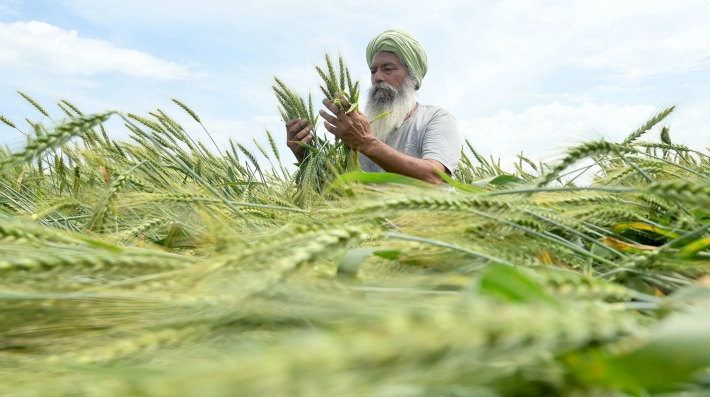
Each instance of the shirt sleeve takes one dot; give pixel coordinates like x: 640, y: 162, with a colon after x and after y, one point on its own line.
x: 442, y: 141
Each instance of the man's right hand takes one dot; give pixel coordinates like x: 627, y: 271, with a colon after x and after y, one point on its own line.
x: 298, y: 130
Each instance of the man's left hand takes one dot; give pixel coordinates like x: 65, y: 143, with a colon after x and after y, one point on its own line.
x: 352, y: 128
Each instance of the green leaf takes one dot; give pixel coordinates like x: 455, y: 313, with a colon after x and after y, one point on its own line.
x: 678, y: 348
x: 508, y: 284
x: 381, y: 115
x: 376, y: 177
x: 700, y: 213
x: 499, y: 180
x: 694, y: 247
x: 624, y: 226
x: 230, y: 174
x: 176, y: 231
x: 388, y: 254
x: 307, y: 146
x: 601, y: 251
x: 459, y: 185
x: 352, y: 260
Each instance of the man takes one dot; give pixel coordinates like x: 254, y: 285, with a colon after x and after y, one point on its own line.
x: 413, y: 140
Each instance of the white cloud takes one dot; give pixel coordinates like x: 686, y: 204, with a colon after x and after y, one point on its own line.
x: 544, y: 131
x: 647, y: 56
x: 505, y: 47
x: 481, y: 54
x: 45, y: 47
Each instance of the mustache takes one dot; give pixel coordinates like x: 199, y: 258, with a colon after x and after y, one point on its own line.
x: 382, y: 90
x: 383, y: 86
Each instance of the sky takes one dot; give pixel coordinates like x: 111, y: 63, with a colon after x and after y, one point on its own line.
x: 533, y: 76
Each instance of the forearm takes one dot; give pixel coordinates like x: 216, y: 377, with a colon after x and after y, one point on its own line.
x: 392, y: 160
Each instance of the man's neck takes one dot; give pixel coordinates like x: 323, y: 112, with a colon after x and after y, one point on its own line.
x: 411, y: 112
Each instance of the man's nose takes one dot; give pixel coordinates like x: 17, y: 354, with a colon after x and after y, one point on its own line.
x: 379, y: 76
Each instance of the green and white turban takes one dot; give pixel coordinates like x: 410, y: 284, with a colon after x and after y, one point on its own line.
x: 405, y: 46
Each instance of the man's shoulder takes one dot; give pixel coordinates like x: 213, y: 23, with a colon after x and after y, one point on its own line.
x: 430, y: 111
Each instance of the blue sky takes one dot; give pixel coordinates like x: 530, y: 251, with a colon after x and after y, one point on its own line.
x: 533, y: 76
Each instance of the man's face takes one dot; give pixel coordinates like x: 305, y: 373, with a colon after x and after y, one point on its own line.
x: 393, y: 91
x: 386, y: 67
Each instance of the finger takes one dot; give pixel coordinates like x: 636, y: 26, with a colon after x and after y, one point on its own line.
x: 297, y: 127
x: 331, y: 128
x: 299, y: 124
x: 343, y: 99
x: 304, y: 133
x: 328, y: 117
x: 307, y: 139
x: 331, y: 106
x: 292, y: 122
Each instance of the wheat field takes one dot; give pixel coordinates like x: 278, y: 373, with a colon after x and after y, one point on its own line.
x: 164, y: 266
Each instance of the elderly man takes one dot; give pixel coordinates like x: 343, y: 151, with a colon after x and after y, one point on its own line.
x: 413, y: 140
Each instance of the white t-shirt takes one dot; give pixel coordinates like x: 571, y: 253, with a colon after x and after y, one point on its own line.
x: 430, y: 133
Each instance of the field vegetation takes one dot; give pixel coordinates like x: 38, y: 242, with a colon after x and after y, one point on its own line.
x: 165, y: 266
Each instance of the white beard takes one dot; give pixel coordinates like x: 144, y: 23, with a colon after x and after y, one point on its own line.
x: 399, y: 101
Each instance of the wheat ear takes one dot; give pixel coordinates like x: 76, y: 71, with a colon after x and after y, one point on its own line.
x: 57, y: 138
x: 649, y: 124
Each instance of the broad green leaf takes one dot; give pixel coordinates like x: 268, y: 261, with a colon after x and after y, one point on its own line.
x: 601, y: 251
x: 508, y: 284
x: 459, y: 185
x: 499, y: 180
x: 352, y: 260
x: 176, y: 231
x: 387, y: 254
x: 675, y: 350
x: 376, y: 177
x: 700, y: 213
x: 231, y: 175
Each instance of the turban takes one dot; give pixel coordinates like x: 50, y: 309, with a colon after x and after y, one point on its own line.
x: 405, y: 46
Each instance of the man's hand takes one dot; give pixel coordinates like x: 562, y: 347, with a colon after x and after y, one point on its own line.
x: 352, y: 128
x: 298, y: 130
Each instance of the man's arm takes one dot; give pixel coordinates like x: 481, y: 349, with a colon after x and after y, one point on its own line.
x: 392, y: 160
x: 354, y: 130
